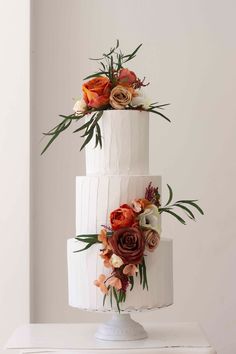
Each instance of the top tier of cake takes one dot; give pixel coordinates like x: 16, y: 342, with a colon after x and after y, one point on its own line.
x: 125, y: 145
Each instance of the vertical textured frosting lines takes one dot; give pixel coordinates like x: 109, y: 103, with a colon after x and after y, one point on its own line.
x: 88, y: 266
x: 125, y: 149
x: 97, y: 196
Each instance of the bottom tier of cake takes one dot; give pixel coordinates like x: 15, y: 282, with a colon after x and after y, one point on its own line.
x: 84, y: 267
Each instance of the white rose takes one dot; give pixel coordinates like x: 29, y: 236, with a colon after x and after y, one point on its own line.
x: 80, y: 106
x: 116, y: 261
x: 149, y: 219
x: 140, y: 100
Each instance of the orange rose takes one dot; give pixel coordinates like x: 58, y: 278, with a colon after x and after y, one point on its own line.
x: 127, y: 77
x: 96, y: 92
x: 122, y: 217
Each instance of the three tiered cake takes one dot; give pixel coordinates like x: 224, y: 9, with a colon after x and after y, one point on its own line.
x: 118, y: 261
x: 116, y: 175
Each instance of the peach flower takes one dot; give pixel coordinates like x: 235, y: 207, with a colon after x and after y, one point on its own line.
x: 96, y: 92
x: 100, y: 283
x: 152, y: 239
x: 139, y: 205
x: 116, y: 282
x: 130, y: 270
x: 102, y: 237
x: 106, y: 256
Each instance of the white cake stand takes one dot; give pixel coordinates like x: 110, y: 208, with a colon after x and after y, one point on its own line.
x: 121, y: 327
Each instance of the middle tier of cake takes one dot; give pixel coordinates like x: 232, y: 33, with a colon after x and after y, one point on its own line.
x: 98, y: 196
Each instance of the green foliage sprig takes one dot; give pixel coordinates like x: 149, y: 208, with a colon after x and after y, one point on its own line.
x: 109, y: 65
x: 184, y: 205
x: 90, y: 240
x: 89, y: 128
x: 111, y: 62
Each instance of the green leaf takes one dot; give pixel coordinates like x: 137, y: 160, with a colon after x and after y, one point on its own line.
x: 104, y: 299
x: 86, y: 247
x: 88, y: 235
x: 140, y: 273
x: 170, y: 195
x: 87, y: 140
x: 117, y: 43
x: 93, y: 75
x: 50, y: 142
x: 159, y: 113
x: 116, y: 298
x: 84, y: 126
x: 87, y: 240
x: 98, y: 136
x: 188, y: 211
x: 56, y: 131
x: 192, y: 202
x: 131, y: 280
x: 145, y: 283
x: 160, y: 106
x: 132, y: 55
x: 110, y: 296
x: 175, y: 215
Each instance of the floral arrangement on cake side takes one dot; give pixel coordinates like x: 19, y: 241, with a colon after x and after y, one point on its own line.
x: 134, y: 232
x: 113, y: 86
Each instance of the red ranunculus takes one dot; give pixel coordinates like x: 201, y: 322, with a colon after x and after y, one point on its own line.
x: 124, y: 216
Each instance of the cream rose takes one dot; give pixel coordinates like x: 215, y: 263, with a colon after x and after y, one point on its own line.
x: 116, y: 261
x: 149, y: 219
x: 80, y: 106
x: 120, y: 97
x: 139, y: 99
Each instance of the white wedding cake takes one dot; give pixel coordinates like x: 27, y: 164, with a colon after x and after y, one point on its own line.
x: 115, y: 175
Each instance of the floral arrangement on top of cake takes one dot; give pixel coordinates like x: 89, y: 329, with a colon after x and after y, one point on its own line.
x: 113, y: 86
x: 134, y: 231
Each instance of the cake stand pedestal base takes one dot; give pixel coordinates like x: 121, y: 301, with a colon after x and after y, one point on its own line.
x: 121, y: 327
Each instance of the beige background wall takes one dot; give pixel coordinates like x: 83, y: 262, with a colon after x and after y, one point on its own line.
x: 188, y: 55
x: 14, y: 165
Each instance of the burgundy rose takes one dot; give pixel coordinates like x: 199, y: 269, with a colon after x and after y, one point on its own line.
x: 129, y: 244
x: 152, y: 239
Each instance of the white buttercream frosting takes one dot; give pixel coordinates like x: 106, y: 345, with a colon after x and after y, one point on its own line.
x: 116, y: 174
x: 98, y: 196
x: 86, y: 266
x: 125, y: 144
